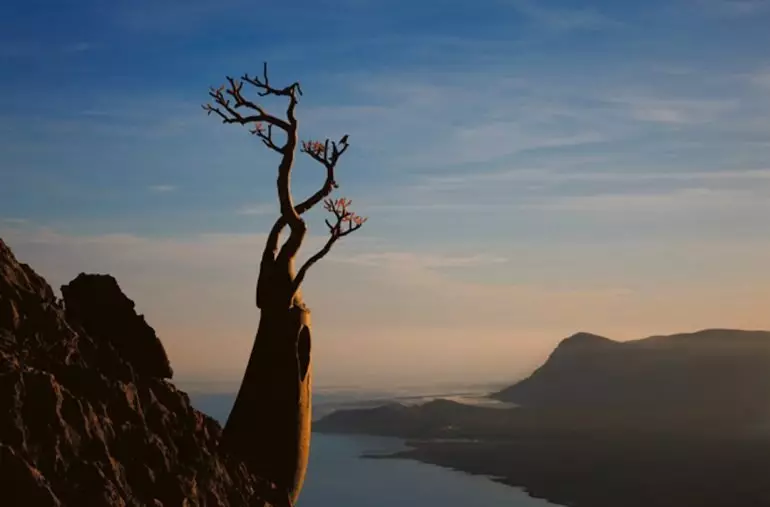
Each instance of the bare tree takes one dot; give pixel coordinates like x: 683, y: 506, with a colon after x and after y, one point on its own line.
x: 269, y: 426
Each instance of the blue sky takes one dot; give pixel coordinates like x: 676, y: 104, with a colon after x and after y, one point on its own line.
x: 497, y: 145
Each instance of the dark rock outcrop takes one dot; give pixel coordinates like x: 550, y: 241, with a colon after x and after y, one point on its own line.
x: 86, y: 417
x: 105, y: 313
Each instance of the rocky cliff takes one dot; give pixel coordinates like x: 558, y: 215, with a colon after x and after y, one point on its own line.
x: 88, y: 416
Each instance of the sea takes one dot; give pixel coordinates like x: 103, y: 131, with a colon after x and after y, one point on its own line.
x: 338, y: 475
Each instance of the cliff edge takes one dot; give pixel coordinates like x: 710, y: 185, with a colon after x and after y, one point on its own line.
x: 87, y: 413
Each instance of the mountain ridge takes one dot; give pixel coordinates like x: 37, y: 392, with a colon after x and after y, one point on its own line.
x: 590, y: 369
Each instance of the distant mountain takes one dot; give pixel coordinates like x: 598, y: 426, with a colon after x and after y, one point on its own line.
x: 714, y: 369
x: 715, y: 382
x: 666, y: 421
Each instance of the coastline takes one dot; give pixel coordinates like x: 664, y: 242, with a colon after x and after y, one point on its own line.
x: 414, y: 452
x: 342, y: 478
x: 596, y: 472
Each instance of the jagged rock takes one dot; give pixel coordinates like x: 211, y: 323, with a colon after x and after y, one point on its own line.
x: 100, y: 307
x: 83, y: 420
x: 34, y: 328
x: 31, y: 488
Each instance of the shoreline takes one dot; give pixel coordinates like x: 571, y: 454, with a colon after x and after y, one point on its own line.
x: 555, y: 500
x: 339, y: 466
x: 408, y: 455
x: 579, y: 472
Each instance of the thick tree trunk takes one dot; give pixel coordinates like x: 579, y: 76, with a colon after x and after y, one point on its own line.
x: 269, y: 426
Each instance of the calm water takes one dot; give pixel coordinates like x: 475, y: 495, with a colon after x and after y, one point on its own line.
x: 339, y: 477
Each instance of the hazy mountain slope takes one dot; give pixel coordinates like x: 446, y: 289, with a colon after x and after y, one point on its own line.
x: 716, y: 369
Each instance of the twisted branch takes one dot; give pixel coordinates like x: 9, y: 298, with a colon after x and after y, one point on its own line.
x: 230, y: 104
x: 267, y: 139
x: 342, y: 215
x: 320, y: 153
x: 291, y: 91
x: 234, y: 90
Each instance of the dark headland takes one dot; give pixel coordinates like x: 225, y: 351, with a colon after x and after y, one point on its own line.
x: 679, y: 421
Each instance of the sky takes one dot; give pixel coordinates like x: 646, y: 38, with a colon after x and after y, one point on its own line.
x: 530, y: 169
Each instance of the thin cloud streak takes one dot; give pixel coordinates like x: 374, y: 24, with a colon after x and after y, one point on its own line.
x: 561, y: 19
x: 258, y: 209
x: 78, y: 47
x: 422, y: 260
x: 162, y: 189
x: 550, y: 175
x: 674, y: 110
x: 735, y: 7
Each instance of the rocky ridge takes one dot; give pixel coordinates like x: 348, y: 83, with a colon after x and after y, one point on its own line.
x: 88, y: 415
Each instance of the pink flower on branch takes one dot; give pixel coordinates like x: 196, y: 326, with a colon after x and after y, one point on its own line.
x: 339, y: 207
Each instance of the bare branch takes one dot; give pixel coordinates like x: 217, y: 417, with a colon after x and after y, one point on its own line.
x: 320, y: 153
x: 267, y: 139
x: 329, y: 160
x: 230, y: 115
x: 342, y: 216
x: 340, y: 210
x: 264, y: 85
x: 312, y: 260
x: 229, y: 100
x: 226, y: 108
x: 293, y: 91
x: 235, y: 92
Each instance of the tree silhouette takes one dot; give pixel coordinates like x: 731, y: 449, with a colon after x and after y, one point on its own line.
x: 269, y: 426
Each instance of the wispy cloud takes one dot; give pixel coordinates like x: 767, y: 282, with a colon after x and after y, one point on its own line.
x: 15, y: 50
x: 549, y: 175
x: 77, y: 47
x: 635, y: 190
x: 675, y: 111
x: 736, y: 7
x: 258, y: 209
x: 692, y: 200
x: 436, y: 207
x: 761, y: 79
x: 15, y: 221
x: 496, y: 140
x: 143, y: 117
x: 422, y: 260
x: 172, y: 16
x: 565, y: 19
x: 162, y: 189
x: 519, y: 113
x: 33, y: 50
